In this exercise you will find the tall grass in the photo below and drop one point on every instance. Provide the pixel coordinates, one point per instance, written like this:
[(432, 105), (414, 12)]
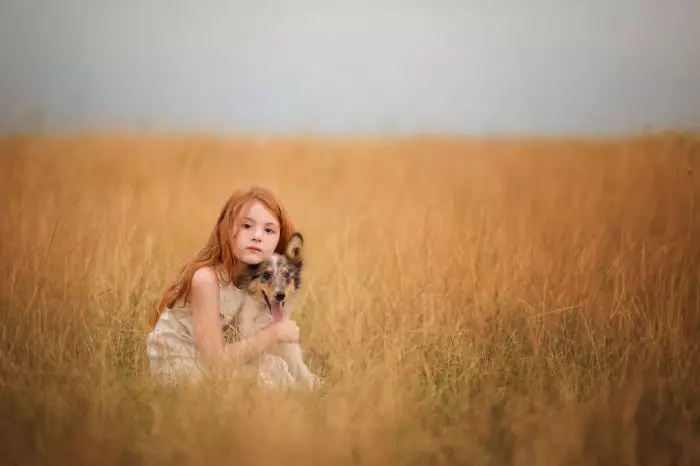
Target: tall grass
[(503, 302)]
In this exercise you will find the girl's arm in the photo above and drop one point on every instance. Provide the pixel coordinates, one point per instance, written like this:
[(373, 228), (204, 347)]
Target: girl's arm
[(209, 337)]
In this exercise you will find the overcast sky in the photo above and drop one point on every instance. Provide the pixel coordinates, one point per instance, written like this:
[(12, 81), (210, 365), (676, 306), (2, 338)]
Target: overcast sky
[(467, 66)]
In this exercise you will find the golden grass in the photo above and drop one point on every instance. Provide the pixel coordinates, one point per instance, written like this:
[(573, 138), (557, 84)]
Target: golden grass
[(473, 302)]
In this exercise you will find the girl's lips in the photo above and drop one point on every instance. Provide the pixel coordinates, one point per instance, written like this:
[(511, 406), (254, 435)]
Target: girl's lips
[(254, 249)]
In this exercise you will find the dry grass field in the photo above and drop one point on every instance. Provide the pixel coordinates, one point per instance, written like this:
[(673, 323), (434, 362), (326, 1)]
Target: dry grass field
[(468, 302)]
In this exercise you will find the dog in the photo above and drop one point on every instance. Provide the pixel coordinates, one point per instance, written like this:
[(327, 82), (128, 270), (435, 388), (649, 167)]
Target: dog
[(273, 285)]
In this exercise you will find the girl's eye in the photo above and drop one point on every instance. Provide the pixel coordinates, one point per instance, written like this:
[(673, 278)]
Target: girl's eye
[(269, 231), (246, 226)]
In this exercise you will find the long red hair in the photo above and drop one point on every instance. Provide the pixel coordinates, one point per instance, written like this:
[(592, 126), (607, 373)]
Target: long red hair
[(218, 250)]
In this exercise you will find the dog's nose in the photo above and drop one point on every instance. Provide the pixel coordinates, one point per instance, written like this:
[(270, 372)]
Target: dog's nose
[(279, 297)]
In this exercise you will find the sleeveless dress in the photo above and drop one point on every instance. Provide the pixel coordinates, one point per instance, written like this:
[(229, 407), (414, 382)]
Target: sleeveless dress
[(173, 354)]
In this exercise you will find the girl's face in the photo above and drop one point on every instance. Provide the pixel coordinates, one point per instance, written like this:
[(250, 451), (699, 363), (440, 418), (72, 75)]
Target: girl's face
[(258, 235)]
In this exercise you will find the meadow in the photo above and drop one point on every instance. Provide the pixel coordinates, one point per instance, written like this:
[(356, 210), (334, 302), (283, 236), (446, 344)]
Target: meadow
[(481, 302)]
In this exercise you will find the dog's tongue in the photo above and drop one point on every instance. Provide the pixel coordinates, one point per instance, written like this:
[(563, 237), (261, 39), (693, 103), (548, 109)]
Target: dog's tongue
[(276, 310)]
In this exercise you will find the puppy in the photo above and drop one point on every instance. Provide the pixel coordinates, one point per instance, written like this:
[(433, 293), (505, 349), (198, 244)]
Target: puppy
[(273, 285)]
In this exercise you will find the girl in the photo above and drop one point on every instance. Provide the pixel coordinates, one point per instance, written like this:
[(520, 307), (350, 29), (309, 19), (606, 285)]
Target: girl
[(186, 333)]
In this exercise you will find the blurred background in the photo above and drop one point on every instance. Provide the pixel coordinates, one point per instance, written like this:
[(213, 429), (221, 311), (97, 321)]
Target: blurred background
[(468, 300), (447, 66)]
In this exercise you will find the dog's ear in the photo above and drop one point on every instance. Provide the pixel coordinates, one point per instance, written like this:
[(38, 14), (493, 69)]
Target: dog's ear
[(295, 248)]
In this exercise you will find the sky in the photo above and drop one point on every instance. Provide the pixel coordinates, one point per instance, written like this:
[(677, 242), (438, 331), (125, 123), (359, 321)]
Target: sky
[(267, 66)]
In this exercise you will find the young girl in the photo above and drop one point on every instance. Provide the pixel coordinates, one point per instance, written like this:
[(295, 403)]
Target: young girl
[(186, 335)]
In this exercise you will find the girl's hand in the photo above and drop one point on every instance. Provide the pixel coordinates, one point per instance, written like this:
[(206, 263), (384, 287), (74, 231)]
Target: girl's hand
[(286, 331)]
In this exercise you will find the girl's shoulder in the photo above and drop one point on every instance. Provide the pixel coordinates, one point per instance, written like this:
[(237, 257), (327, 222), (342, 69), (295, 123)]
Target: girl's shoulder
[(204, 277), (209, 278)]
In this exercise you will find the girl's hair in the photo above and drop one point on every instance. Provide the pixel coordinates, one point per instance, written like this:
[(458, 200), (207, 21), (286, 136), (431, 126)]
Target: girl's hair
[(218, 250)]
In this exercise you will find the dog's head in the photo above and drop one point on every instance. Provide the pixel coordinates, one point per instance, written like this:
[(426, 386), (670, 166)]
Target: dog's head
[(274, 282)]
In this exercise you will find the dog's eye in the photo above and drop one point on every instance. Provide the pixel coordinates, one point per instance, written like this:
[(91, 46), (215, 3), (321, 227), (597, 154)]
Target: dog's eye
[(286, 275), (266, 276)]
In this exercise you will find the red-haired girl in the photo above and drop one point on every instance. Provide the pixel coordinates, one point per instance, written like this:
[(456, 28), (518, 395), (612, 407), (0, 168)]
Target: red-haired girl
[(186, 333)]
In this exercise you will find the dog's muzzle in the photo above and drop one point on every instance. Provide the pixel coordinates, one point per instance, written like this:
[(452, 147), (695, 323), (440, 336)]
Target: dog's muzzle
[(276, 306)]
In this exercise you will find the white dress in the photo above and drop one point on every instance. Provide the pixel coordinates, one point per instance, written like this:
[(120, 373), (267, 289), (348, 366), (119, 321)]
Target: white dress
[(173, 354)]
